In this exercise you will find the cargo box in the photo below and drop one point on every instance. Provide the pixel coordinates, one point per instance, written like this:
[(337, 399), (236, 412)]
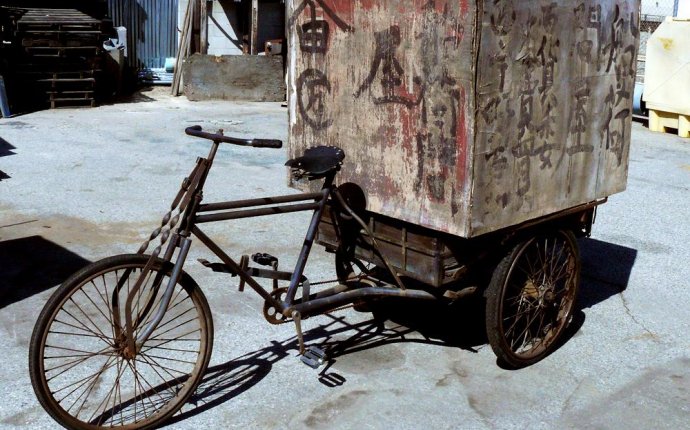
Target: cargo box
[(463, 116)]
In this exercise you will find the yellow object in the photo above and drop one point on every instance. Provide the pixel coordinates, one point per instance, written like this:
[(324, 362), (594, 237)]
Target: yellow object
[(667, 77), (660, 121)]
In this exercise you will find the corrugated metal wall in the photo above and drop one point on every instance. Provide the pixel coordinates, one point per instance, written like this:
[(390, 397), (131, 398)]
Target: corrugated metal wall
[(151, 29)]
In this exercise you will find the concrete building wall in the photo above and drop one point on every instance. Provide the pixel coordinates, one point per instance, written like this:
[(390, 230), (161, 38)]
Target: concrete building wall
[(224, 34), (226, 25)]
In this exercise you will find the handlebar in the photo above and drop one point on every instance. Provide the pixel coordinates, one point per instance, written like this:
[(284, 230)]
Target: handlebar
[(197, 131)]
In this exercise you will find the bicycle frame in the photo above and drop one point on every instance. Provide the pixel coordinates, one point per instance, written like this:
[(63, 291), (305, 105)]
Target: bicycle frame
[(193, 213)]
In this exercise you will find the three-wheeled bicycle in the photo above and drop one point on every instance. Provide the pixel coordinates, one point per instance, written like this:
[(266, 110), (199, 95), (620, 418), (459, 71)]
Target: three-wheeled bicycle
[(125, 341)]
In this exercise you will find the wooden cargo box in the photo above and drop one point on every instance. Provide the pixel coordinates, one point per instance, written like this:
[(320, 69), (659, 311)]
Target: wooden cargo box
[(467, 116)]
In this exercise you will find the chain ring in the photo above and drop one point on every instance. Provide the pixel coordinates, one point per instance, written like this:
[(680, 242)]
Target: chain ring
[(271, 314)]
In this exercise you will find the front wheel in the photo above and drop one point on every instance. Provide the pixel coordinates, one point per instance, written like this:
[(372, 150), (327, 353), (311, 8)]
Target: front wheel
[(531, 297), (80, 367)]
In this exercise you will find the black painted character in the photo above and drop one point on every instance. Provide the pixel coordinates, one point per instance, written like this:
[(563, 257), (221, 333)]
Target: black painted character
[(314, 34), (392, 73), (313, 88)]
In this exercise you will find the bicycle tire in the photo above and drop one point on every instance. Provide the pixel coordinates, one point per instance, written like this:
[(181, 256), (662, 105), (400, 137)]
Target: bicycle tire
[(78, 369), (531, 297)]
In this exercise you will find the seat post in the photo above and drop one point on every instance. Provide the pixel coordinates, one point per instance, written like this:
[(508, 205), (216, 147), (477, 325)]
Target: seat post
[(328, 180)]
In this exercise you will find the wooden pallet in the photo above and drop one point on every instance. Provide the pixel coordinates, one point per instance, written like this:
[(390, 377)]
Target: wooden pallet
[(60, 57), (57, 23), (661, 121), (77, 71), (61, 51), (71, 99)]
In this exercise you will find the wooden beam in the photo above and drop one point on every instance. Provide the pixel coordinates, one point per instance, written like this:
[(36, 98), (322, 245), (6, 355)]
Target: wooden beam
[(203, 48), (195, 37), (254, 30), (183, 49)]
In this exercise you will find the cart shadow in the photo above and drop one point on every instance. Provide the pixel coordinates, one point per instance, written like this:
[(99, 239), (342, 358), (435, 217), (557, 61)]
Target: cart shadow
[(32, 265), (605, 272), (459, 325), (606, 269)]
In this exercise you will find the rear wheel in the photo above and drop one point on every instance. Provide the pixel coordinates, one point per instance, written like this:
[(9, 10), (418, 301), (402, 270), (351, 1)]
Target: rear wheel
[(81, 370), (531, 297)]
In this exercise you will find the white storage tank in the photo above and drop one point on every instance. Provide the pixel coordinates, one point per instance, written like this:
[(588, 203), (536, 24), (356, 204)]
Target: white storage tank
[(667, 77)]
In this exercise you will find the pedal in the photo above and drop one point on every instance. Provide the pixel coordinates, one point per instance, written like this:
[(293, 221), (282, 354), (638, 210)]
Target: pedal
[(244, 265), (313, 357), (264, 259)]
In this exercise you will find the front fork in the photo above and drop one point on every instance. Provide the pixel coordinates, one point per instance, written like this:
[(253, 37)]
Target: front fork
[(134, 337), (130, 337)]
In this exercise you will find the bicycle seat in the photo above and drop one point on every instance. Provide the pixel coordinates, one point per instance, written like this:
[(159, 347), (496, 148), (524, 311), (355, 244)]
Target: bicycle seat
[(317, 162)]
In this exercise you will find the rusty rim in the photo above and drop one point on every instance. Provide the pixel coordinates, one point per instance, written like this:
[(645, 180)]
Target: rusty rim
[(538, 295), (88, 376)]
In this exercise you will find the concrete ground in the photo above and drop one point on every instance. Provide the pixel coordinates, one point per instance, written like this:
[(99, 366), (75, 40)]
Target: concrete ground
[(80, 185)]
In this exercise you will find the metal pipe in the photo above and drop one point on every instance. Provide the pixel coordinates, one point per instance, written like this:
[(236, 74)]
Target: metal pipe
[(336, 300), (308, 243), (239, 204), (167, 295), (273, 210), (235, 268)]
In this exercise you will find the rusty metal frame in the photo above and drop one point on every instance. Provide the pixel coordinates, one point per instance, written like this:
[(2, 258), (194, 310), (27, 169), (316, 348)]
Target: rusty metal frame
[(189, 212)]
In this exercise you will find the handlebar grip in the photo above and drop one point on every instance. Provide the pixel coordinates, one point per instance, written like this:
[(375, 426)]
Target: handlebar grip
[(194, 130), (267, 143)]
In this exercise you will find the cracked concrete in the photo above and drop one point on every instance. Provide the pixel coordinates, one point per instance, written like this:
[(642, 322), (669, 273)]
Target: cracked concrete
[(84, 184), (633, 317)]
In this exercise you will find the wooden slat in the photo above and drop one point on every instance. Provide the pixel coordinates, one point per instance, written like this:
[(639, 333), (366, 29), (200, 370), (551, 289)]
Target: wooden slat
[(67, 80), (203, 42), (254, 30)]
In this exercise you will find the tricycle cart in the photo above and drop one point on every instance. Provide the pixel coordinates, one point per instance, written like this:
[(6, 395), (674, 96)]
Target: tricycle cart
[(464, 154)]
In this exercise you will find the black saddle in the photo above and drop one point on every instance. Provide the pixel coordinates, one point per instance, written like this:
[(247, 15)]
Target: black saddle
[(317, 162)]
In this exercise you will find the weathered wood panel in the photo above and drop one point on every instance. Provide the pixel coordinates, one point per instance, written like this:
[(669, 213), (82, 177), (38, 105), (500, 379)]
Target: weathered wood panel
[(234, 77), (555, 85), (390, 82), (467, 116)]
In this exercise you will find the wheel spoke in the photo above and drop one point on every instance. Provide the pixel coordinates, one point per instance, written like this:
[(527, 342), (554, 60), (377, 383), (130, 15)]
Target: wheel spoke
[(151, 389), (91, 381), (157, 305), (75, 362), (82, 370), (84, 327), (106, 399), (526, 331), (154, 368), (160, 366), (531, 296), (176, 327), (107, 318), (103, 336)]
